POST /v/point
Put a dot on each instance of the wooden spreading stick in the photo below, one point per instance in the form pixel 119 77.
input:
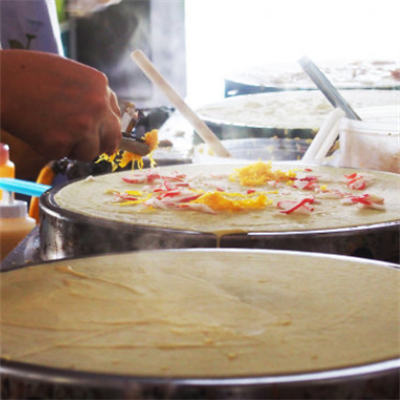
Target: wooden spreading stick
pixel 198 124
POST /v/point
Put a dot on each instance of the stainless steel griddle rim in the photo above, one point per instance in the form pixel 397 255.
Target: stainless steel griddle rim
pixel 49 205
pixel 39 373
pixel 269 131
pixel 83 378
pixel 336 231
pixel 260 88
pixel 293 253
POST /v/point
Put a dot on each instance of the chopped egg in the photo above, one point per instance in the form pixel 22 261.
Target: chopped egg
pixel 259 173
pixel 122 158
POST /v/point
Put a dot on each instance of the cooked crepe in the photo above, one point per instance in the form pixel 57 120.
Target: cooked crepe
pixel 334 204
pixel 301 109
pixel 202 313
pixel 344 74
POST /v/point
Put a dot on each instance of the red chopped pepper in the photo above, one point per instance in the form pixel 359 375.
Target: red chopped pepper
pixel 299 204
pixel 134 180
pixel 168 185
pixel 190 198
pixel 125 196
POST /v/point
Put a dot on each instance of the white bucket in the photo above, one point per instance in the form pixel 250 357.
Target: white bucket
pixel 374 142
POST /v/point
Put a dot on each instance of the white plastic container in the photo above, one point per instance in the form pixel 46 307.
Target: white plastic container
pixel 374 142
pixel 15 224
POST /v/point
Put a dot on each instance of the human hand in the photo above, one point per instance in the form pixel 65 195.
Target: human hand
pixel 60 107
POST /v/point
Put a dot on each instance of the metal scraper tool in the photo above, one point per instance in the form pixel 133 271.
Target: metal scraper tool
pixel 130 140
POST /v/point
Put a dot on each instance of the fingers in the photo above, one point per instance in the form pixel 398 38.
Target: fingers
pixel 105 136
pixel 74 114
pixel 105 139
pixel 114 103
pixel 110 129
pixel 110 135
pixel 87 149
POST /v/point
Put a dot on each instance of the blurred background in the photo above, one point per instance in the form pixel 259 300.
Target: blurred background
pixel 225 36
pixel 197 43
pixel 235 62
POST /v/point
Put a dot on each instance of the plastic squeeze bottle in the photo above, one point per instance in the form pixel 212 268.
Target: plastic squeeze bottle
pixel 7 167
pixel 15 224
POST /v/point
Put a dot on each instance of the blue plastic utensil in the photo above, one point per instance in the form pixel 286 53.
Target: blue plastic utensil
pixel 23 187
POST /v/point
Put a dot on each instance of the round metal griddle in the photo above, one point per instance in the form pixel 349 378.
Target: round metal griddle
pixel 256 115
pixel 275 77
pixel 378 380
pixel 27 381
pixel 66 234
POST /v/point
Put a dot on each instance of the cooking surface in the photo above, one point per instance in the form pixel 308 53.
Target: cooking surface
pixel 231 313
pixel 357 74
pixel 371 381
pixel 289 110
pixel 121 197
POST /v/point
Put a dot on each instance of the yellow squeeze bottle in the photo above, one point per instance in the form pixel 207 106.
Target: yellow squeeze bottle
pixel 15 224
pixel 7 167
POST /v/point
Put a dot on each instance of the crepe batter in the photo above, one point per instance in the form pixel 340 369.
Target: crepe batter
pixel 201 313
pixel 301 109
pixel 95 197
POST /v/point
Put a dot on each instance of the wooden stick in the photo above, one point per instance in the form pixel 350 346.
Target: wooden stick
pixel 198 124
pixel 324 138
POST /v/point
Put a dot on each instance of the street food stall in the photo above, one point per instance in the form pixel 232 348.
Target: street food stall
pixel 244 246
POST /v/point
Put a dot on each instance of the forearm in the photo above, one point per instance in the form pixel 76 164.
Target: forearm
pixel 14 78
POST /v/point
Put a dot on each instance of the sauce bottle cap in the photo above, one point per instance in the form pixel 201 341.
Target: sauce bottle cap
pixel 15 209
pixel 4 153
